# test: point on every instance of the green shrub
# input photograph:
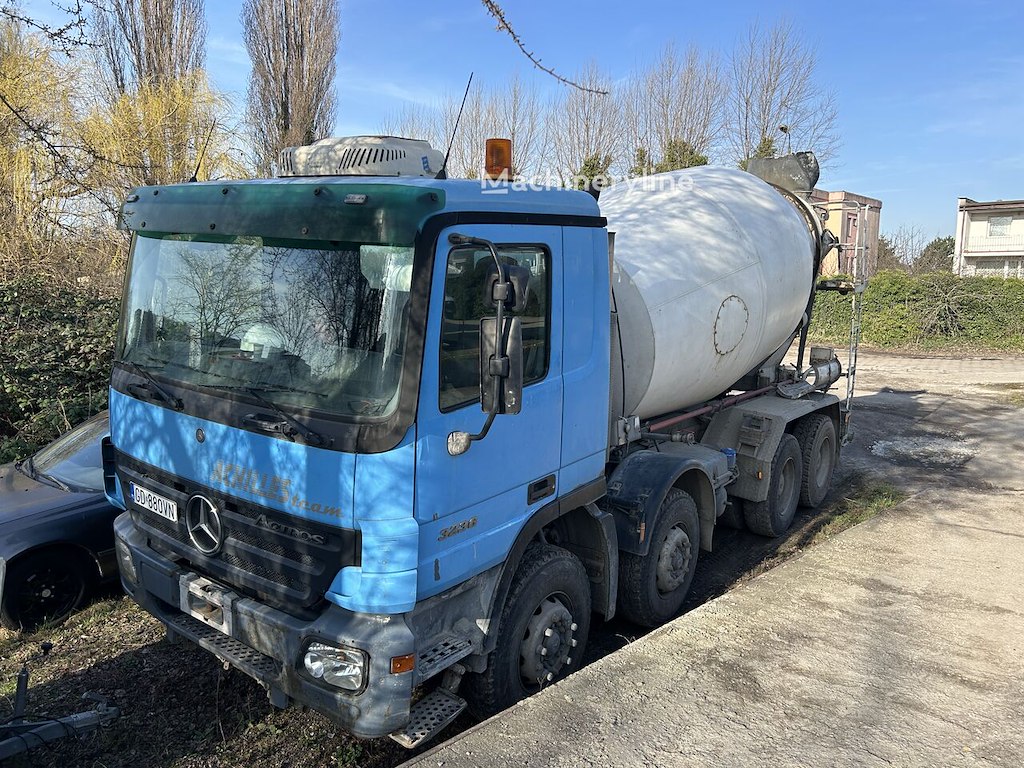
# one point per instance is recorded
(931, 311)
(56, 345)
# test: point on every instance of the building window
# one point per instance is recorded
(999, 226)
(990, 268)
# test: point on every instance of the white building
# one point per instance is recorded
(989, 240)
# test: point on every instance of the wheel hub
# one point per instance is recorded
(49, 593)
(673, 560)
(548, 642)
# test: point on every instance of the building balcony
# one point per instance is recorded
(1001, 245)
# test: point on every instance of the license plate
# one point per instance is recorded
(154, 502)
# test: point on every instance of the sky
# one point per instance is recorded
(930, 94)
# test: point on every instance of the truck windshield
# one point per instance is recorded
(305, 324)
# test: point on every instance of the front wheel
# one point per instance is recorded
(42, 588)
(542, 632)
(652, 587)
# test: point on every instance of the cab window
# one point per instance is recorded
(466, 301)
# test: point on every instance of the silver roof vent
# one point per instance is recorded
(362, 156)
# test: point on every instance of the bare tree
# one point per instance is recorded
(150, 42)
(498, 13)
(775, 103)
(677, 99)
(521, 115)
(585, 128)
(70, 34)
(906, 242)
(513, 110)
(478, 123)
(292, 44)
(415, 121)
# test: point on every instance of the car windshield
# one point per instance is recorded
(305, 324)
(74, 458)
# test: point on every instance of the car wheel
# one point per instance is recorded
(42, 588)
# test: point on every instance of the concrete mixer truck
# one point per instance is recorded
(389, 442)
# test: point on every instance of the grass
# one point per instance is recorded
(1014, 393)
(860, 501)
(861, 504)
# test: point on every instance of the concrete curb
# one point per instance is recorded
(897, 642)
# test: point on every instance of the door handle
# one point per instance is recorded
(540, 489)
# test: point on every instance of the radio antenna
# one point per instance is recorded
(443, 173)
(202, 154)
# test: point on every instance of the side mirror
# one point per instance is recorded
(518, 279)
(501, 378)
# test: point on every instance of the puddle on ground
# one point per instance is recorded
(930, 450)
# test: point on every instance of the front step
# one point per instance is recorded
(441, 657)
(428, 717)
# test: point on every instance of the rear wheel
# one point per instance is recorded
(42, 588)
(652, 587)
(542, 632)
(817, 437)
(774, 515)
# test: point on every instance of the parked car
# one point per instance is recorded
(56, 529)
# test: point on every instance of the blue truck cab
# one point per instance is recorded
(293, 359)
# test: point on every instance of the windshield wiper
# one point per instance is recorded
(28, 467)
(153, 389)
(288, 427)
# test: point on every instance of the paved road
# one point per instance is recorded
(899, 642)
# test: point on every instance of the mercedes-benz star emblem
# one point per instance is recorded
(204, 526)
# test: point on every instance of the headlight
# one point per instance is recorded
(341, 667)
(125, 562)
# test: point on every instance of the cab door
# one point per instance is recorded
(471, 507)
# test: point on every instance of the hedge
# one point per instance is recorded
(937, 311)
(56, 346)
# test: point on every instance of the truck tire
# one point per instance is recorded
(774, 515)
(42, 588)
(542, 632)
(817, 437)
(652, 587)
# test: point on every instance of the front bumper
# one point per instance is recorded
(268, 644)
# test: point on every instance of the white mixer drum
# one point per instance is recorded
(713, 271)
